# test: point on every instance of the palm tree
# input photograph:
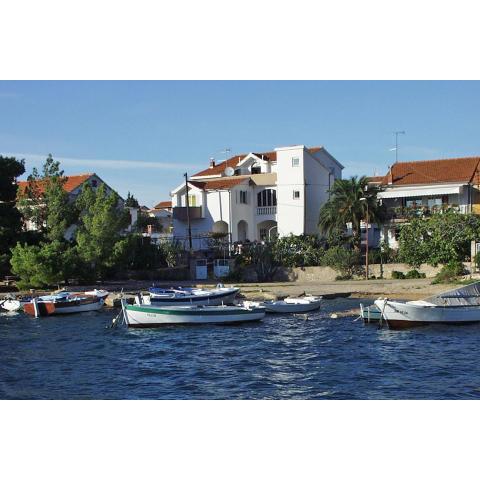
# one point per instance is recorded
(348, 204)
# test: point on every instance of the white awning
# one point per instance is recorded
(428, 190)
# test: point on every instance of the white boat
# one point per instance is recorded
(371, 313)
(145, 316)
(192, 296)
(456, 307)
(293, 305)
(63, 303)
(11, 304)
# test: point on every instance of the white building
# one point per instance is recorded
(419, 189)
(254, 196)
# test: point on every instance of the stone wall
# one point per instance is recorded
(327, 274)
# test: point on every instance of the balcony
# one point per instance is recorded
(180, 213)
(401, 214)
(266, 210)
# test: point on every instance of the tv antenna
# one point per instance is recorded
(397, 133)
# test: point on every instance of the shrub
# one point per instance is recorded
(345, 261)
(414, 274)
(396, 275)
(450, 272)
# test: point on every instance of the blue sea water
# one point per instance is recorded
(281, 357)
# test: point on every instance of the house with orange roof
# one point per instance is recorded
(421, 188)
(252, 196)
(73, 186)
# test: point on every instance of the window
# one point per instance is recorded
(295, 162)
(267, 198)
(238, 171)
(192, 201)
(243, 196)
(94, 183)
(296, 194)
(256, 169)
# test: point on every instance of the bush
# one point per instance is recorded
(345, 261)
(450, 272)
(414, 274)
(396, 275)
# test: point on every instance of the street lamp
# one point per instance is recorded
(363, 199)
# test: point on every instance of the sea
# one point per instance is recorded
(280, 357)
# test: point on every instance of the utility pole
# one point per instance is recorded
(188, 213)
(366, 246)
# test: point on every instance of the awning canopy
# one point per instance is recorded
(427, 190)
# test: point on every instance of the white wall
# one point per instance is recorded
(318, 168)
(290, 211)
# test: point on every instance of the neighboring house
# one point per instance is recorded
(420, 188)
(163, 212)
(251, 197)
(73, 186)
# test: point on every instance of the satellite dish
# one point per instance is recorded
(229, 171)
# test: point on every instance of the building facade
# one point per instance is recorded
(422, 188)
(251, 197)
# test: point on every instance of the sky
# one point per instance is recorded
(142, 136)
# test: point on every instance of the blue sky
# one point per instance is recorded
(142, 136)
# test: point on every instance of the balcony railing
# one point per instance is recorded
(266, 210)
(422, 211)
(180, 213)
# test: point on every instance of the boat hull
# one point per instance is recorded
(144, 316)
(220, 298)
(400, 315)
(64, 308)
(281, 307)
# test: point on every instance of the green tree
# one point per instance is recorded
(10, 217)
(47, 264)
(441, 238)
(131, 201)
(345, 206)
(101, 222)
(45, 202)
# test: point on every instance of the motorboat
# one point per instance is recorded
(370, 313)
(293, 305)
(63, 303)
(459, 306)
(192, 296)
(146, 316)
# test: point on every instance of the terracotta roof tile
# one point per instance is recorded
(432, 171)
(224, 183)
(234, 161)
(164, 204)
(72, 182)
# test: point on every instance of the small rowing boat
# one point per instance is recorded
(293, 305)
(63, 303)
(146, 316)
(192, 296)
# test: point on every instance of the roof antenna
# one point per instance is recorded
(397, 133)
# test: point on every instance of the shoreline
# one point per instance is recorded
(413, 289)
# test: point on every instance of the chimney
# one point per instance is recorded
(390, 176)
(212, 162)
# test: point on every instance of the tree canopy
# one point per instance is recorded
(346, 205)
(10, 217)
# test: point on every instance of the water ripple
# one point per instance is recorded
(279, 358)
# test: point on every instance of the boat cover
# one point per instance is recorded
(465, 295)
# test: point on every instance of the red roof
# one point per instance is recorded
(446, 170)
(72, 182)
(234, 161)
(164, 204)
(224, 183)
